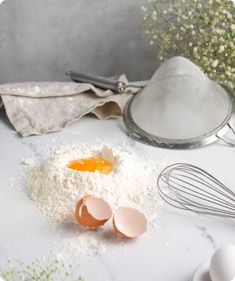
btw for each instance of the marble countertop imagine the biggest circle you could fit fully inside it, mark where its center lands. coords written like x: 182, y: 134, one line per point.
x: 169, y: 252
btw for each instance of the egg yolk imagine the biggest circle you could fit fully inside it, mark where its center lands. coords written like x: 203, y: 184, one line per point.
x: 91, y: 164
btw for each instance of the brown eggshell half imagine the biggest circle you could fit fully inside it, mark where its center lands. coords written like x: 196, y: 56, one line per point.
x: 129, y: 222
x: 92, y: 212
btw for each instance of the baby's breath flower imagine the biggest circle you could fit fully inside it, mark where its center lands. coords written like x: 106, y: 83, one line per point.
x: 215, y: 63
x: 40, y: 270
x: 221, y: 49
x: 144, y: 9
x: 154, y: 15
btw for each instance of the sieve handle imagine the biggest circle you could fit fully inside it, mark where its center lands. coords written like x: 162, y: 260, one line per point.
x: 232, y: 144
x: 102, y: 82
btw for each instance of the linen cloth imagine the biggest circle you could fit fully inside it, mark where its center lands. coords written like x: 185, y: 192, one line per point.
x: 36, y: 108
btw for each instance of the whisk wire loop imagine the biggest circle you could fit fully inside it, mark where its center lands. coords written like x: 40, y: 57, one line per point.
x: 194, y: 190
x: 185, y: 196
x: 188, y: 187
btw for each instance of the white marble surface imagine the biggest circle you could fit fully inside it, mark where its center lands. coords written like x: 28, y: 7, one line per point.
x: 170, y: 252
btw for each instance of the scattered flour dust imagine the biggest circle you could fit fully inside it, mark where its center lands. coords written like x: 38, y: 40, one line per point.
x: 56, y: 189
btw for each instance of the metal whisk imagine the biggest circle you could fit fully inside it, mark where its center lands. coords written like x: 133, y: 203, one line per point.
x: 188, y: 187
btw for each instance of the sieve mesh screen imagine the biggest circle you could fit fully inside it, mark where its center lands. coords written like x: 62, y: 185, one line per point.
x: 180, y: 104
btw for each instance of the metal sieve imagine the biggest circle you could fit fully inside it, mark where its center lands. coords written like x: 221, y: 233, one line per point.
x: 179, y: 108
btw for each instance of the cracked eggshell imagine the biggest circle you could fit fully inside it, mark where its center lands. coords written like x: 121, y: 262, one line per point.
x: 92, y: 212
x: 222, y: 265
x: 107, y: 153
x: 129, y: 222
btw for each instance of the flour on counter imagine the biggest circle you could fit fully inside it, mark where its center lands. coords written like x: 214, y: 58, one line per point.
x: 56, y: 189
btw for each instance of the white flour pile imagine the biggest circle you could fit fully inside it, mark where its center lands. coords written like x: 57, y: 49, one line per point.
x: 56, y: 189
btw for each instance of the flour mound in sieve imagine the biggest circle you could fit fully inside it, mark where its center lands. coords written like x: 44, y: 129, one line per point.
x: 56, y: 189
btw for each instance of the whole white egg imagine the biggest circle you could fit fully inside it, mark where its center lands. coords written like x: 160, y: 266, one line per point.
x: 222, y: 265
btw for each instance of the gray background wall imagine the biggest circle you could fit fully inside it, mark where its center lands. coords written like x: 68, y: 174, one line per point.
x: 40, y: 39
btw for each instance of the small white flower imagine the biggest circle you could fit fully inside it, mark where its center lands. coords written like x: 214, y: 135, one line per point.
x: 154, y: 15
x: 190, y: 44
x: 221, y: 49
x: 215, y: 63
x: 142, y: 8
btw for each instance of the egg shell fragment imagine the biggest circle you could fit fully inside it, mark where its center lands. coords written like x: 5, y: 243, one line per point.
x: 222, y: 265
x: 129, y: 222
x: 92, y: 212
x: 107, y: 154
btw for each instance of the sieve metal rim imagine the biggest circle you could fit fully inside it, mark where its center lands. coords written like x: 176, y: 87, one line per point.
x: 139, y: 134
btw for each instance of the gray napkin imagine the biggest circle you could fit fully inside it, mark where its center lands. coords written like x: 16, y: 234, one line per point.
x: 36, y: 108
